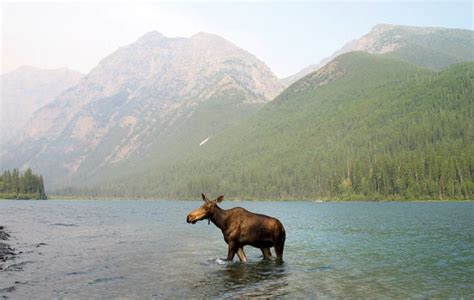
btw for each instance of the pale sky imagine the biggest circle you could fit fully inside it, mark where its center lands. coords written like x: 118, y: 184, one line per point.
x: 286, y: 36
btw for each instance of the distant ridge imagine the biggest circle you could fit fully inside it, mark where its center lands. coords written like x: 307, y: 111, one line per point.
x: 430, y: 47
x: 26, y: 89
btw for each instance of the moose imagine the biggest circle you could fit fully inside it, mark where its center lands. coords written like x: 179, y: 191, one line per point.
x: 241, y: 227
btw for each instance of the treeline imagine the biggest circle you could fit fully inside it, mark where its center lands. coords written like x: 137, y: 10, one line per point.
x: 17, y: 185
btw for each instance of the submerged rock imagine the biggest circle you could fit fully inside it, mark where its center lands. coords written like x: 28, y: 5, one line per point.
x: 8, y: 289
x: 6, y: 252
x: 3, y: 234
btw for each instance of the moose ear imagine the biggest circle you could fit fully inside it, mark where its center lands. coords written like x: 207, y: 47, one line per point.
x: 204, y: 198
x: 219, y: 199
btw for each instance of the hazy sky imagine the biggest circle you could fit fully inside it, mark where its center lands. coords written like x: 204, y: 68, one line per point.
x: 286, y: 36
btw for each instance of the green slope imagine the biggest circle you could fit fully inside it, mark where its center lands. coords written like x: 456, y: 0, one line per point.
x: 365, y: 126
x: 433, y: 48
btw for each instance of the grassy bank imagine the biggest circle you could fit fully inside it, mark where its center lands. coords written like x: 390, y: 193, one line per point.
x: 22, y: 196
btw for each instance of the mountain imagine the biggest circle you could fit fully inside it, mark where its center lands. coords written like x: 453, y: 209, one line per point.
x: 151, y: 99
x: 429, y: 47
x: 25, y: 90
x: 364, y: 126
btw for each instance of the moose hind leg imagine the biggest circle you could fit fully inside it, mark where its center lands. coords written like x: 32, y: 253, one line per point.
x: 267, y: 253
x: 279, y: 247
x: 241, y: 254
x: 280, y: 244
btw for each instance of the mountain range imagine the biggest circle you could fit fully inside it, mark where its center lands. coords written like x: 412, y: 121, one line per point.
x: 385, y: 116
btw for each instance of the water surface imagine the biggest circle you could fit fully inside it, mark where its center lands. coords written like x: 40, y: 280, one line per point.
x: 145, y: 249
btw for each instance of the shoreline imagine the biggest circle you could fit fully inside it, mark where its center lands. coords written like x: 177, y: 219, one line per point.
x: 335, y: 200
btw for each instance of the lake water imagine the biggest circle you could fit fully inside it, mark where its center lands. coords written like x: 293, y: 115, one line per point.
x: 145, y: 249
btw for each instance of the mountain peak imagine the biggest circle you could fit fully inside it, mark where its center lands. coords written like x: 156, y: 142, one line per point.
x: 382, y: 27
x: 27, y: 69
x: 203, y: 34
x: 151, y: 36
x: 206, y: 36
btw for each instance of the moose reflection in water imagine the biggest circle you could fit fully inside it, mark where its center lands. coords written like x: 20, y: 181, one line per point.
x: 241, y: 227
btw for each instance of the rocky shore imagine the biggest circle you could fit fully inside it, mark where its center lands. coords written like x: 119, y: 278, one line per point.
x: 6, y: 252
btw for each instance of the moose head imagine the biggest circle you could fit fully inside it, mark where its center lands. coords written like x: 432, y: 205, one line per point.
x: 206, y: 211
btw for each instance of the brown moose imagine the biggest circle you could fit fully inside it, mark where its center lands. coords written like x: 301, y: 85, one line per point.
x: 241, y: 227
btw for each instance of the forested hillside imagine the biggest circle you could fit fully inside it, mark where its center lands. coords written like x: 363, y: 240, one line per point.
x: 14, y: 185
x: 365, y: 126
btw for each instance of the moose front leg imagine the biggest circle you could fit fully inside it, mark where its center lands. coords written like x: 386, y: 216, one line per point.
x: 241, y: 254
x: 231, y: 252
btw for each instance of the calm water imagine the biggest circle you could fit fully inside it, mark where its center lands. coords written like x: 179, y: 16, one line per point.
x: 145, y: 249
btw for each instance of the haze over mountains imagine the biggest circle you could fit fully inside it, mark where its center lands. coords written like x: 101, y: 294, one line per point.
x: 27, y: 89
x: 168, y: 117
